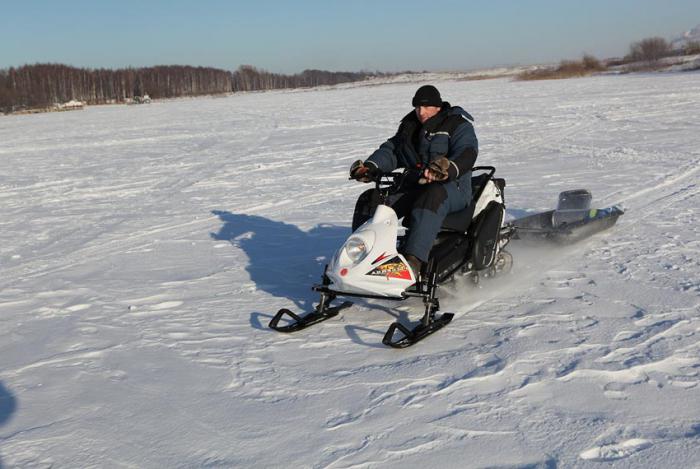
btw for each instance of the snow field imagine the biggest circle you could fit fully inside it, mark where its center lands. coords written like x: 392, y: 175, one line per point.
x: 143, y: 250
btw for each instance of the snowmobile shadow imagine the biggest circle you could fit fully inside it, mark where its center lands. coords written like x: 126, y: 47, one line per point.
x: 284, y: 260
x: 355, y: 337
x: 255, y: 321
x: 8, y: 405
x: 397, y: 315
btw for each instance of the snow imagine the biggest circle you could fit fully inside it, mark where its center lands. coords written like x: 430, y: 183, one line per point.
x: 144, y: 249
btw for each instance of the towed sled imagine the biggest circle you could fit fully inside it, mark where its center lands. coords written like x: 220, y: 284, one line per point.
x: 573, y: 219
x: 470, y: 244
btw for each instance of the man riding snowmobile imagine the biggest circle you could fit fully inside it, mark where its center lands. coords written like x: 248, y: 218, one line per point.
x: 438, y: 144
x: 455, y: 223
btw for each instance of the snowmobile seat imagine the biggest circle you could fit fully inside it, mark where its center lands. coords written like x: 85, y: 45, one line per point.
x: 459, y: 221
x: 456, y: 221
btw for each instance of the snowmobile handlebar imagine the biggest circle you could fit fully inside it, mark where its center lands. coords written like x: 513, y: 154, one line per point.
x: 383, y: 180
x: 395, y: 179
x: 392, y: 182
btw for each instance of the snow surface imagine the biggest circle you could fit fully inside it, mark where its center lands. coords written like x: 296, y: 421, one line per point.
x: 143, y: 250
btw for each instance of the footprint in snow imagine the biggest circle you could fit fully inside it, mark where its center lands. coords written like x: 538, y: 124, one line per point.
x: 340, y: 420
x: 615, y: 451
x: 167, y: 305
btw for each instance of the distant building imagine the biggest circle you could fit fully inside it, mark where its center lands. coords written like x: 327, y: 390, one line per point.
x: 72, y: 105
x: 145, y: 99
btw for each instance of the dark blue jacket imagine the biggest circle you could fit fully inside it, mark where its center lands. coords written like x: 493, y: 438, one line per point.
x: 449, y: 133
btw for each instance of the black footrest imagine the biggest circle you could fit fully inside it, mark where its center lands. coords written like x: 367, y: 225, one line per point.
x: 412, y: 336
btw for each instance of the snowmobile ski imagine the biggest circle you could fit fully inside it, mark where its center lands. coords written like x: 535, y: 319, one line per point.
x: 418, y: 333
x: 302, y: 322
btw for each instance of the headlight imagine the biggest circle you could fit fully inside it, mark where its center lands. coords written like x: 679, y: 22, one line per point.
x: 356, y: 249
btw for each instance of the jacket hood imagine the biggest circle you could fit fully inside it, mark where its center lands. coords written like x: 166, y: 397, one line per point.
x: 456, y: 110
x: 446, y: 110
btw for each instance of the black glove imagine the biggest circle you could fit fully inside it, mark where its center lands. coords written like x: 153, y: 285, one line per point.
x: 363, y: 173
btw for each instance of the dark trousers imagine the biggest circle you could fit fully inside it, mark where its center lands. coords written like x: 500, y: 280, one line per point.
x: 425, y: 205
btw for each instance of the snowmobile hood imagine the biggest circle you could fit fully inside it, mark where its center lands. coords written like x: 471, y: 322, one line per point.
x: 380, y: 271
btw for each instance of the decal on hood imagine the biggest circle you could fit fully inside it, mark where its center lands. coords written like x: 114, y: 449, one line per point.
x: 394, y: 268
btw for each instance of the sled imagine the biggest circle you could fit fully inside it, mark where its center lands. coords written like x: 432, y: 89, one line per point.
x: 572, y: 220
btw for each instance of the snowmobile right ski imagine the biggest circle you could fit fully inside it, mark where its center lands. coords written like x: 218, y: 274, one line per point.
x: 412, y: 336
x: 321, y: 313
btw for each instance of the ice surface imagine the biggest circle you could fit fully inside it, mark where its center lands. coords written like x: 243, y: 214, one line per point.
x: 143, y: 250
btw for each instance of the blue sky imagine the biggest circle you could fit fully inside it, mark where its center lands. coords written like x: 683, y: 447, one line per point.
x: 290, y: 36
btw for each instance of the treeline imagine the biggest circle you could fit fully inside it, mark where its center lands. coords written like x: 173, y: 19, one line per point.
x: 566, y: 69
x: 643, y: 55
x: 249, y: 78
x: 44, y: 85
x: 653, y: 49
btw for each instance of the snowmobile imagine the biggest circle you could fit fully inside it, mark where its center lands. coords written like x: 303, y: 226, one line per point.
x: 470, y: 243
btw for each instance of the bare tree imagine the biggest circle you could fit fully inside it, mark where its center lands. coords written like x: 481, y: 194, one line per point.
x: 7, y: 95
x: 692, y: 48
x: 591, y: 63
x: 650, y: 49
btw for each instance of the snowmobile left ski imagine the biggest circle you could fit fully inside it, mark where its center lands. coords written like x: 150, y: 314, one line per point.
x: 321, y: 313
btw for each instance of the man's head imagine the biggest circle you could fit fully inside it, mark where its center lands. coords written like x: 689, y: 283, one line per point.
x: 427, y: 102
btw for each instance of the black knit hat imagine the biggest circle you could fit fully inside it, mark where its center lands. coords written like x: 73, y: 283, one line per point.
x: 427, y: 95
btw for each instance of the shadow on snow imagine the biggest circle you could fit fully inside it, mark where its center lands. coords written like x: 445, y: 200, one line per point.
x: 8, y: 405
x: 284, y: 260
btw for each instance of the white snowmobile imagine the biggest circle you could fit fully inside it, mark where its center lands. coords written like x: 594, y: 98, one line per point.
x: 369, y: 264
x: 470, y: 243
